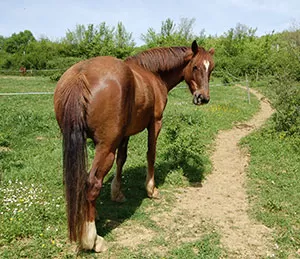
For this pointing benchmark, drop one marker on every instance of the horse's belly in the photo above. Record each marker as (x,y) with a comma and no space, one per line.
(137,123)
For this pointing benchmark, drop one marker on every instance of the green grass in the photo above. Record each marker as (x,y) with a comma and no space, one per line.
(274,189)
(9,84)
(32,209)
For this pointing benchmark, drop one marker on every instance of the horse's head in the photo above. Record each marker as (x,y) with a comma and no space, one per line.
(197,73)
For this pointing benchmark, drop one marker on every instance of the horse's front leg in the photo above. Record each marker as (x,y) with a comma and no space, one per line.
(153,131)
(116,192)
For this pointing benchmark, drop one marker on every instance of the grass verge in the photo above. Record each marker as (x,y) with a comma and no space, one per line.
(274,190)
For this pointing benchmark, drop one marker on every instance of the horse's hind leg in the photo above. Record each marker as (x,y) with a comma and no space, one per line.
(102,163)
(116,193)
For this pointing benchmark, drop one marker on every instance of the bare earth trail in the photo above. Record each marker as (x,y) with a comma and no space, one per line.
(221,201)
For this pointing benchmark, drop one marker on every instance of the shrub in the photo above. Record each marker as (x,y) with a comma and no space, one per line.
(287,104)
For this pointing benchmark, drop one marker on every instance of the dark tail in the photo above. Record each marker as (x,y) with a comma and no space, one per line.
(75,155)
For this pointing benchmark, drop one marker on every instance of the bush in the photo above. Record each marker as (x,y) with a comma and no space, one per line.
(287,104)
(59,65)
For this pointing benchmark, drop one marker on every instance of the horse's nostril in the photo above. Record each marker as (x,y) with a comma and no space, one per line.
(205,100)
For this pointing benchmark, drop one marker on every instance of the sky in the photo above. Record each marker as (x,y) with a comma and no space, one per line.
(52,19)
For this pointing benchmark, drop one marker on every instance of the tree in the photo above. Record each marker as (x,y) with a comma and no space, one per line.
(171,34)
(167,28)
(185,28)
(123,42)
(18,42)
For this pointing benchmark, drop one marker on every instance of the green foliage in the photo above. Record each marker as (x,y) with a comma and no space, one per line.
(287,103)
(100,40)
(17,43)
(274,186)
(285,96)
(59,65)
(181,152)
(238,51)
(85,42)
(171,34)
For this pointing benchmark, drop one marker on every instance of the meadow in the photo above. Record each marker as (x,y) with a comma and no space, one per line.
(32,208)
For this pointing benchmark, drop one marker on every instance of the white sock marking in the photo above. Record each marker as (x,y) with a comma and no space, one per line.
(89,235)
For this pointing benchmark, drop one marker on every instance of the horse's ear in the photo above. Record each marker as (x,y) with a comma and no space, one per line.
(212,51)
(195,47)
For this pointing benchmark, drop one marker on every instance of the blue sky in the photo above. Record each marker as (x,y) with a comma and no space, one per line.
(53,18)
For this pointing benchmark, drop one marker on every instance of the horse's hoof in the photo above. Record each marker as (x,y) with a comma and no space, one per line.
(120,197)
(155,194)
(100,245)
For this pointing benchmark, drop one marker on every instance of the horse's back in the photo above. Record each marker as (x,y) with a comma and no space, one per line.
(96,70)
(104,86)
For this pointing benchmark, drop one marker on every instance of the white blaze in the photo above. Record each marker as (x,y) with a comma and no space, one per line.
(206,64)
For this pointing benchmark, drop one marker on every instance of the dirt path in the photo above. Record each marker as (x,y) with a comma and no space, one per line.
(220,202)
(222,199)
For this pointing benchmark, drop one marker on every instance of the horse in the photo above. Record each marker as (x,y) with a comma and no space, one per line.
(108,100)
(22,70)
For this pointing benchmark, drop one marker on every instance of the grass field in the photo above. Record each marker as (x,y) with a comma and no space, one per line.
(32,210)
(273,187)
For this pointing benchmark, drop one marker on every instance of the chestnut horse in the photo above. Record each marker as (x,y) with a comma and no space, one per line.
(109,100)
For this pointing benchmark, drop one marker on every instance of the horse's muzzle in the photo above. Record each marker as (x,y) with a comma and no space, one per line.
(200,99)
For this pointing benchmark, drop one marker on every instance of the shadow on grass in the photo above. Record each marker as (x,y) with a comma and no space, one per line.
(112,214)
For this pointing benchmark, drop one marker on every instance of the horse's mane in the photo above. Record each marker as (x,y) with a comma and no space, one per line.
(160,59)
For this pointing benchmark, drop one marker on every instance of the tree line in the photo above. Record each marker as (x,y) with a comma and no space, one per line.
(238,51)
(273,58)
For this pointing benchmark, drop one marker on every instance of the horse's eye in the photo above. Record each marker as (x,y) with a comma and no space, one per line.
(195,68)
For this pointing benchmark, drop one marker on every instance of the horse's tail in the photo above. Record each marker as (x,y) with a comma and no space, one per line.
(73,127)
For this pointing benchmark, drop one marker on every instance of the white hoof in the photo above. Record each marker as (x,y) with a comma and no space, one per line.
(100,245)
(152,191)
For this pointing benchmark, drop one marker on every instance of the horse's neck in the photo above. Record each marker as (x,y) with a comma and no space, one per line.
(168,63)
(173,77)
